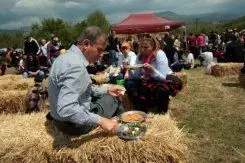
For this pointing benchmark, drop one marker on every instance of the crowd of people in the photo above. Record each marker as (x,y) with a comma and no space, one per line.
(34,60)
(146,64)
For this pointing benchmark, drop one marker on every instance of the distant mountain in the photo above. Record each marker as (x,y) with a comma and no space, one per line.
(215,17)
(13,31)
(237,23)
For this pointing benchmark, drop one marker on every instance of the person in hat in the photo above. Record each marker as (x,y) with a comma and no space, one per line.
(128,57)
(76,105)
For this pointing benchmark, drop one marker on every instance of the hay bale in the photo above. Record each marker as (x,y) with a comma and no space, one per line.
(242,79)
(24,84)
(29,138)
(11,77)
(183,76)
(6,83)
(226,69)
(16,84)
(12,101)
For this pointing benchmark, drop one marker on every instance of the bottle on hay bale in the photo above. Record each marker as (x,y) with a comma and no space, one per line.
(36,97)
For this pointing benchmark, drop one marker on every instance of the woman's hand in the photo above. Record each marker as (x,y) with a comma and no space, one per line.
(116,91)
(149,67)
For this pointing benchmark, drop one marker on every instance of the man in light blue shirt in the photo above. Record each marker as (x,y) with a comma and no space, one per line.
(76,106)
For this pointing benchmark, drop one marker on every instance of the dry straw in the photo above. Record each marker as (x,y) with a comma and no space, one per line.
(242,79)
(11,77)
(225,69)
(29,138)
(12,101)
(20,84)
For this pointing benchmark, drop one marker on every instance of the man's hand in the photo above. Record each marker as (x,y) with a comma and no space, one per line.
(109,125)
(116,91)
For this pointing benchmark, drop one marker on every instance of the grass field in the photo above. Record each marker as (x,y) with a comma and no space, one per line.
(213,114)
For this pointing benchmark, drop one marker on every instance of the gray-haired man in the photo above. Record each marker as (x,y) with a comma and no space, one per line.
(76,105)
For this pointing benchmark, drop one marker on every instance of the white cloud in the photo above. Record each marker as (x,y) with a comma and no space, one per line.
(34,4)
(72,4)
(13,12)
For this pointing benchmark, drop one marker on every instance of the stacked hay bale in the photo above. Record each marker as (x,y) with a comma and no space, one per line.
(13,90)
(226,69)
(29,138)
(183,76)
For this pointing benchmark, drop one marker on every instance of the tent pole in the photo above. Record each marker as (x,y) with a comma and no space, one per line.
(185,39)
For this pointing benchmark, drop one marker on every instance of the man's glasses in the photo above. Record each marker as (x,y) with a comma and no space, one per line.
(99,48)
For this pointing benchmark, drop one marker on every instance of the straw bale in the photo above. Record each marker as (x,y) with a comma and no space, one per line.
(183,76)
(12,101)
(11,77)
(242,79)
(226,69)
(30,138)
(16,84)
(6,83)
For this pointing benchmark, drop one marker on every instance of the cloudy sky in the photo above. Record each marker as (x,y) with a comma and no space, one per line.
(18,13)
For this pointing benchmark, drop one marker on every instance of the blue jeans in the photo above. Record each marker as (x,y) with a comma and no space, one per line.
(106,106)
(113,57)
(39,75)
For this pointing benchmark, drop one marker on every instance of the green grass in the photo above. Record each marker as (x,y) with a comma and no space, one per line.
(213,113)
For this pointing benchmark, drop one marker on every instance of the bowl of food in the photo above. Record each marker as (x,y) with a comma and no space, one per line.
(132,131)
(133,117)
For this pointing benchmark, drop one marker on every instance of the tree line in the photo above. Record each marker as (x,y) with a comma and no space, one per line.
(66,31)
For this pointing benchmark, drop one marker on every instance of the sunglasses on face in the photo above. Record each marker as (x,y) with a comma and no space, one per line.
(124,48)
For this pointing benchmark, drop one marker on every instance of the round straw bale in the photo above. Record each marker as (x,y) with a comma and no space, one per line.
(226,69)
(30,138)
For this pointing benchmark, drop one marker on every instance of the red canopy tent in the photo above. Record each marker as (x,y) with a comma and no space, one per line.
(145,23)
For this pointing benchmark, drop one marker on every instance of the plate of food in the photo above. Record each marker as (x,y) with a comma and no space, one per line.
(133,117)
(132,131)
(136,66)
